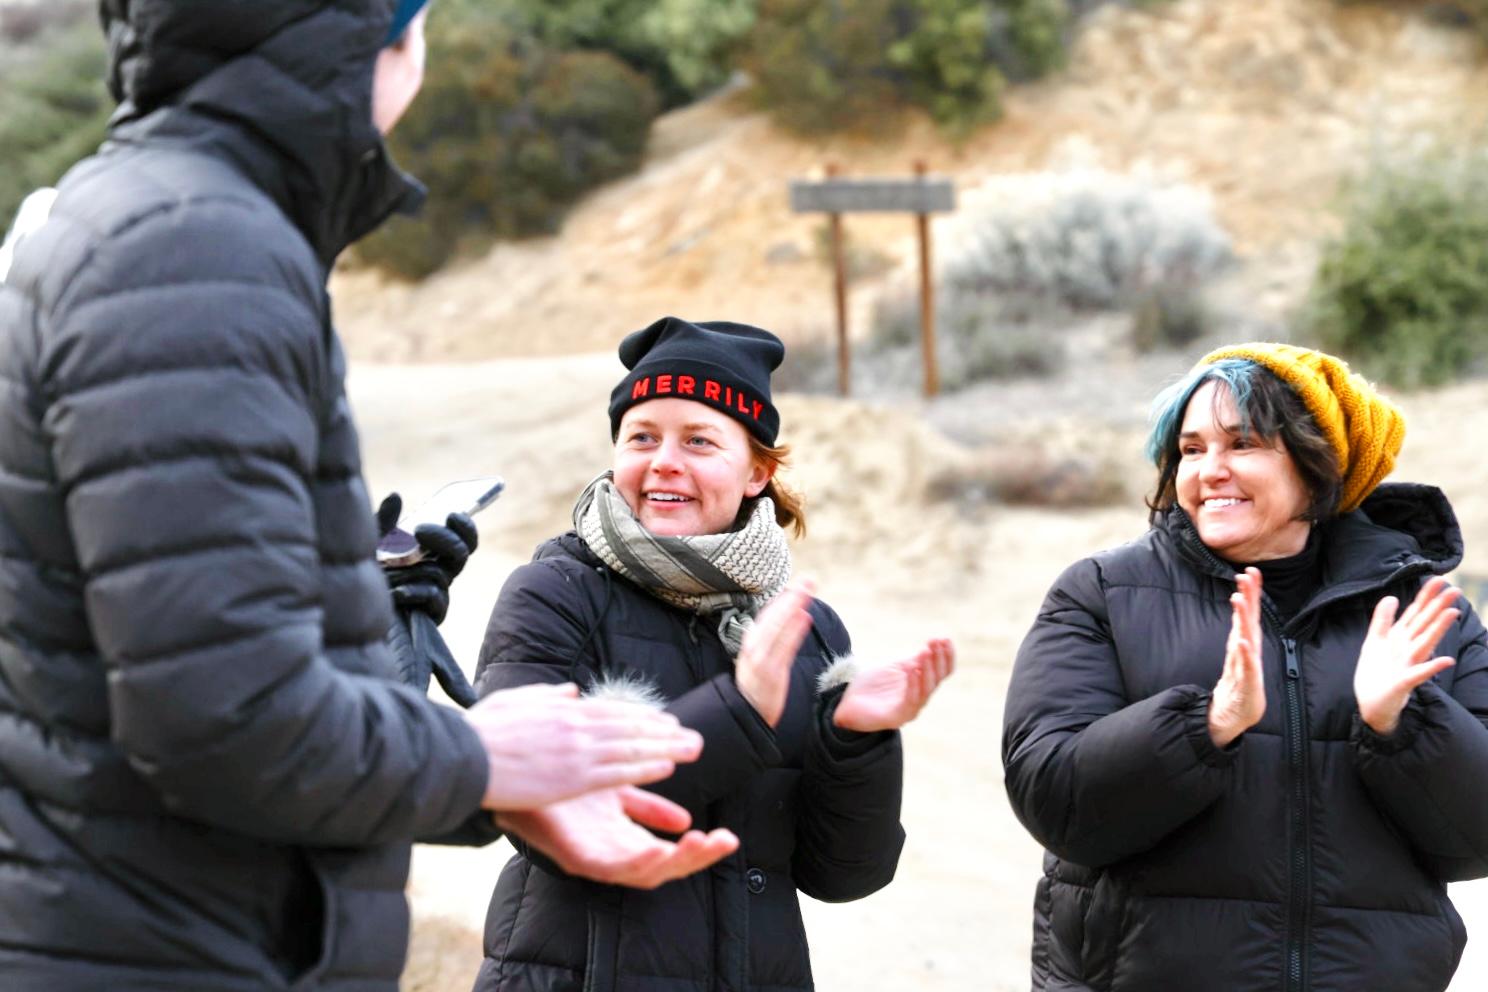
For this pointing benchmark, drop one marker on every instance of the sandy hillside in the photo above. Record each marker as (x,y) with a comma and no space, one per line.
(1266,104)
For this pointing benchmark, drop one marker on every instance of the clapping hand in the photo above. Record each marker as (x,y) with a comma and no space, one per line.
(601,836)
(544,745)
(889,696)
(1393,660)
(762,670)
(1239,699)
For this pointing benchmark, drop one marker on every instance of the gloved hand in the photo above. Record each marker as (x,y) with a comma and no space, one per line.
(424,586)
(420,594)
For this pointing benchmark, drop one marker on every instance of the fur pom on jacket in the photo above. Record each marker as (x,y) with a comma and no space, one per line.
(632,687)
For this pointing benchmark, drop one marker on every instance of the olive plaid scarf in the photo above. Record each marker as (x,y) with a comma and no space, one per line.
(727,577)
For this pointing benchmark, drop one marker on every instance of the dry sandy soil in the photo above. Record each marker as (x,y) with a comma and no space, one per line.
(503,364)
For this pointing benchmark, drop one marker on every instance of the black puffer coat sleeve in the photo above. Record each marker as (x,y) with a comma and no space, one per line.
(541,630)
(848,835)
(1094,776)
(190,388)
(1426,775)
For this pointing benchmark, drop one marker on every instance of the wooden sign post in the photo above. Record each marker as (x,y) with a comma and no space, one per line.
(922,196)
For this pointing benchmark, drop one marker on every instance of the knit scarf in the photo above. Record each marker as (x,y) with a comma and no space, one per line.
(726,577)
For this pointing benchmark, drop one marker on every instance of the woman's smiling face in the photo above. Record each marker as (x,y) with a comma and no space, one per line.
(684,468)
(1242,492)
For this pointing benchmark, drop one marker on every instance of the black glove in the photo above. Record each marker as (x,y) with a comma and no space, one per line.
(421,597)
(424,586)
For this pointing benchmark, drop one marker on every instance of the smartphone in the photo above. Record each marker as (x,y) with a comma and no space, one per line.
(469,496)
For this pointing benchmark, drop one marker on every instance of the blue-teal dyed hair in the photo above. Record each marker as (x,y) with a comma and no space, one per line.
(1166,414)
(404,11)
(1268,408)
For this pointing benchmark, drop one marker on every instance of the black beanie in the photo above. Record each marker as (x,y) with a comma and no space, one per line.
(717,363)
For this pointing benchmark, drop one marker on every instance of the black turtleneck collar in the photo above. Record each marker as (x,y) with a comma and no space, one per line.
(1290,582)
(1402,528)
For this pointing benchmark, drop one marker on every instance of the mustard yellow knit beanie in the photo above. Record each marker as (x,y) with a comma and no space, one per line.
(1365,429)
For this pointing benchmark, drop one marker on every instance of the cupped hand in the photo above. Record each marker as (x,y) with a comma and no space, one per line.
(1239,699)
(762,670)
(600,836)
(1393,660)
(889,696)
(544,745)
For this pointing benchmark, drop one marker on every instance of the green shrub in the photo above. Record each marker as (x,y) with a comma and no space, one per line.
(1028,39)
(53,111)
(683,46)
(1403,292)
(825,65)
(507,134)
(1477,10)
(943,59)
(820,66)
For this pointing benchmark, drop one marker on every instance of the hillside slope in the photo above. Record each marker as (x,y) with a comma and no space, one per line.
(1267,104)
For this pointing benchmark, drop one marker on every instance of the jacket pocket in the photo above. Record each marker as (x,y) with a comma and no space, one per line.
(304,938)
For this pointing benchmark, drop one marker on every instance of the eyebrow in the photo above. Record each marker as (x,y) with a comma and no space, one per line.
(1234,430)
(651,425)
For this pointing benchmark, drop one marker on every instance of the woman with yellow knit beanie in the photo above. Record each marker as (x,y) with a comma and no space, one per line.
(1251,770)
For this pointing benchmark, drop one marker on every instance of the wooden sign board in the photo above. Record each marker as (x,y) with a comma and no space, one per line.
(850,196)
(920,195)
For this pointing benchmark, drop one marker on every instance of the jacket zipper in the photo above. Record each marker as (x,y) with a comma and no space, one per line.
(1299,824)
(1299,896)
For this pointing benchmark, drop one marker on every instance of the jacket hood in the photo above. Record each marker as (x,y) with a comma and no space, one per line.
(1421,513)
(282,86)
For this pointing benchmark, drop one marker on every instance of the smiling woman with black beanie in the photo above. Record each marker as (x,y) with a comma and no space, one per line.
(674,587)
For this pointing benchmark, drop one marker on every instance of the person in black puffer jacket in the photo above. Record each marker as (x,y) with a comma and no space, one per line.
(209,778)
(650,596)
(1249,774)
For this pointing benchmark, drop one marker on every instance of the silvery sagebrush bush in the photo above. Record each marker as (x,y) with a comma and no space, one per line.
(1088,239)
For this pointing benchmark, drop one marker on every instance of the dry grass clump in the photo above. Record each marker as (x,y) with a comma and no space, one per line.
(1027,474)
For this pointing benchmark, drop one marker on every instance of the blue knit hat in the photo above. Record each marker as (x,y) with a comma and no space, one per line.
(404,12)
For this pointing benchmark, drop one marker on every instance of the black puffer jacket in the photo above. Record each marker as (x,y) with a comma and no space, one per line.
(207,781)
(813,810)
(1311,855)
